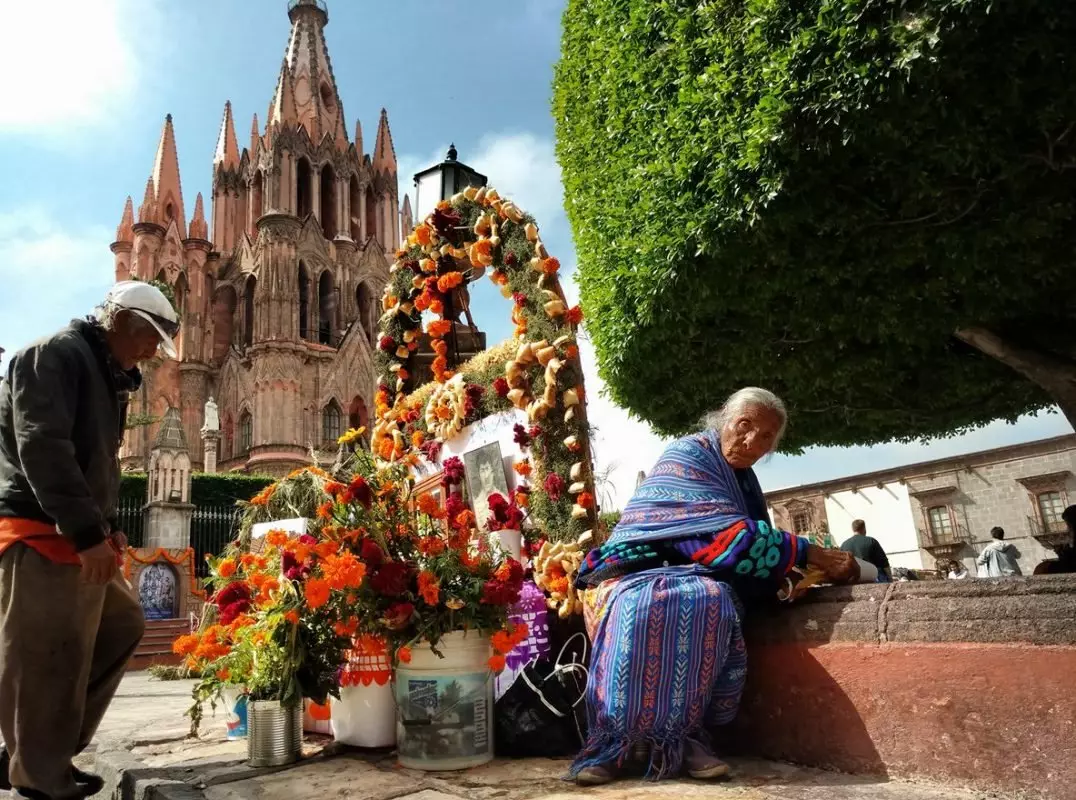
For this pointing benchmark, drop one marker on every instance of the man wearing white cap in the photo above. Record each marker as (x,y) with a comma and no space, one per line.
(68,622)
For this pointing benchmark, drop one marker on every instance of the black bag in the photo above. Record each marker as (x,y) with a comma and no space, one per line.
(543,714)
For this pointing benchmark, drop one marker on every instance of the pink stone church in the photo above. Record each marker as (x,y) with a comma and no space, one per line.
(279,292)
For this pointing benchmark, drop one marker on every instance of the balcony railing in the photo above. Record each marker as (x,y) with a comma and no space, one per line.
(956,535)
(1050,533)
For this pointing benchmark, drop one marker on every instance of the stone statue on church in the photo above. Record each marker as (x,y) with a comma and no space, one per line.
(212,416)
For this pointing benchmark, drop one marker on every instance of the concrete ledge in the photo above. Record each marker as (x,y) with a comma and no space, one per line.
(957,681)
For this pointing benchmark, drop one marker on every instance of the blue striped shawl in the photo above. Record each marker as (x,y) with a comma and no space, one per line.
(691,490)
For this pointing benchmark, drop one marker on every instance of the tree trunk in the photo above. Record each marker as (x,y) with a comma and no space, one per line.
(1056,375)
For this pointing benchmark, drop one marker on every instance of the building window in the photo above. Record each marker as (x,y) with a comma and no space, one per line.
(330,423)
(1051,506)
(801,523)
(246,433)
(941,524)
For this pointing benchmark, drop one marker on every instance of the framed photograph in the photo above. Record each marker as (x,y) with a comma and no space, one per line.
(483,469)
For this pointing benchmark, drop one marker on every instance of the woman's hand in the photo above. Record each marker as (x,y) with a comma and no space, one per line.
(839,566)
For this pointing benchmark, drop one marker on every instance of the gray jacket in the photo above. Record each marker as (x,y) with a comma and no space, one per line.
(63,411)
(999,558)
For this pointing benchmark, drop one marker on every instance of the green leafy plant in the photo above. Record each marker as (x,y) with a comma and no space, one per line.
(866,207)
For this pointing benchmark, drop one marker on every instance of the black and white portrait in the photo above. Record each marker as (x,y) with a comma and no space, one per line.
(484,470)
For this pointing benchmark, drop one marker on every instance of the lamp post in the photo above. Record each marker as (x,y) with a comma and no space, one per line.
(441,182)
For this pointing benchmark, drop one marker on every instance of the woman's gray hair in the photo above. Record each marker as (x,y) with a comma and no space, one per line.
(106,313)
(743,399)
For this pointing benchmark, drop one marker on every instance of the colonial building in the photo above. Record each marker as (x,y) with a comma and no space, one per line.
(929,513)
(278,288)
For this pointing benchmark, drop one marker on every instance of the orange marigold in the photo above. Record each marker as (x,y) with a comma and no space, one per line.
(417,438)
(429,505)
(316,592)
(223,674)
(585,499)
(496,662)
(404,654)
(343,571)
(276,538)
(226,568)
(437,307)
(334,488)
(320,712)
(571,352)
(498,277)
(424,234)
(465,519)
(431,545)
(325,510)
(550,266)
(575,315)
(449,281)
(292,616)
(428,587)
(186,644)
(523,467)
(439,328)
(265,594)
(385,449)
(440,348)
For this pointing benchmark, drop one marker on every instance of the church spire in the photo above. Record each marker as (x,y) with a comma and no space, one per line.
(147,212)
(317,101)
(358,139)
(198,228)
(254,137)
(125,232)
(227,153)
(165,180)
(282,110)
(384,153)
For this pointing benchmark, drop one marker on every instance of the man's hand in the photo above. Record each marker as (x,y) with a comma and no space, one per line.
(839,566)
(119,541)
(98,563)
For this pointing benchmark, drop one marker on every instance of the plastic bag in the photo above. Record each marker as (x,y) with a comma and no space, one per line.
(542,715)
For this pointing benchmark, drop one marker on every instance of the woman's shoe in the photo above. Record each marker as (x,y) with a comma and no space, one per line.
(702,764)
(596,776)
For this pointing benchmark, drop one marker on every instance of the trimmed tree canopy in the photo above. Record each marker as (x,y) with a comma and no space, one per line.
(867,207)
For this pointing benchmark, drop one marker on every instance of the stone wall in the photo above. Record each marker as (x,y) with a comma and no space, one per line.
(967,682)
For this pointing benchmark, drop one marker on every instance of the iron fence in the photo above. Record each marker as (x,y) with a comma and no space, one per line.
(212,528)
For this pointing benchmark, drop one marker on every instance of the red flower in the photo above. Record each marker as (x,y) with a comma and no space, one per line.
(360,491)
(521,437)
(510,259)
(499,593)
(535,431)
(391,579)
(519,298)
(453,471)
(510,573)
(500,386)
(431,448)
(387,344)
(453,506)
(399,616)
(371,553)
(554,486)
(575,315)
(446,221)
(233,600)
(473,394)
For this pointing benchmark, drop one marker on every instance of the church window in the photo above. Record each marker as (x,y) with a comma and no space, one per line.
(330,423)
(304,302)
(246,432)
(355,203)
(256,197)
(328,201)
(801,522)
(169,212)
(940,521)
(365,300)
(326,308)
(1051,506)
(327,99)
(303,188)
(248,311)
(371,212)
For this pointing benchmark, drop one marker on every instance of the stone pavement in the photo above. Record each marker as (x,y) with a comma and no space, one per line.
(144,754)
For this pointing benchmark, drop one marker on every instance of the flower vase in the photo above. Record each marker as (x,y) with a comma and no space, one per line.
(510,541)
(275,733)
(444,706)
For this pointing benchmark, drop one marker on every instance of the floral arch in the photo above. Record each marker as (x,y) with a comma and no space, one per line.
(538,372)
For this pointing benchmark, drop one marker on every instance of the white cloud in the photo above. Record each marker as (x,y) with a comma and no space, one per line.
(50,272)
(80,62)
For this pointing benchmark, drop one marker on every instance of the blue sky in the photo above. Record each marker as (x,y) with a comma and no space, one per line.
(80,136)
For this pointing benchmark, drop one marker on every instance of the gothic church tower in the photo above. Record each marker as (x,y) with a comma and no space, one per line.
(278,291)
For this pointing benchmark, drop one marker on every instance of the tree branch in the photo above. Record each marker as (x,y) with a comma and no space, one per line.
(1054,374)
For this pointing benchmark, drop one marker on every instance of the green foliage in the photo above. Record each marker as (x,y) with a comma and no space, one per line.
(222,489)
(140,420)
(813,197)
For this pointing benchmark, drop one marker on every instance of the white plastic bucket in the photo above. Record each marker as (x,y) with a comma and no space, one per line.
(444,706)
(365,716)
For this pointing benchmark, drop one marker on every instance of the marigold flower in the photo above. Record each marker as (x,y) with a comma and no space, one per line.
(226,568)
(448,282)
(343,571)
(276,538)
(404,654)
(496,662)
(550,266)
(571,352)
(223,674)
(523,468)
(423,234)
(429,588)
(316,592)
(265,594)
(439,328)
(437,306)
(429,505)
(440,348)
(292,616)
(186,644)
(319,711)
(585,499)
(465,519)
(499,277)
(575,315)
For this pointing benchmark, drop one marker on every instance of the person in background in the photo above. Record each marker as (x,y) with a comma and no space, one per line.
(867,548)
(1066,554)
(999,557)
(957,571)
(68,620)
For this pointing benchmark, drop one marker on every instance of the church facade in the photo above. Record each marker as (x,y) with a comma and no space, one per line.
(279,290)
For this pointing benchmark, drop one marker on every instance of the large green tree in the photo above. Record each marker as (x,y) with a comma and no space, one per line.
(867,206)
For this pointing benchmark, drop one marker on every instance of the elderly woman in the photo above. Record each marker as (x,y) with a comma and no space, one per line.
(664,597)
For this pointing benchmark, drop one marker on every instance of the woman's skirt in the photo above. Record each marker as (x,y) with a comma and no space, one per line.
(668,662)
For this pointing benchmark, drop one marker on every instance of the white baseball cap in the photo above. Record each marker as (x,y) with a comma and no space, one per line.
(148,302)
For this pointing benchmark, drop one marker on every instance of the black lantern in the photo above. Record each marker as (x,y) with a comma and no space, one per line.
(441,182)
